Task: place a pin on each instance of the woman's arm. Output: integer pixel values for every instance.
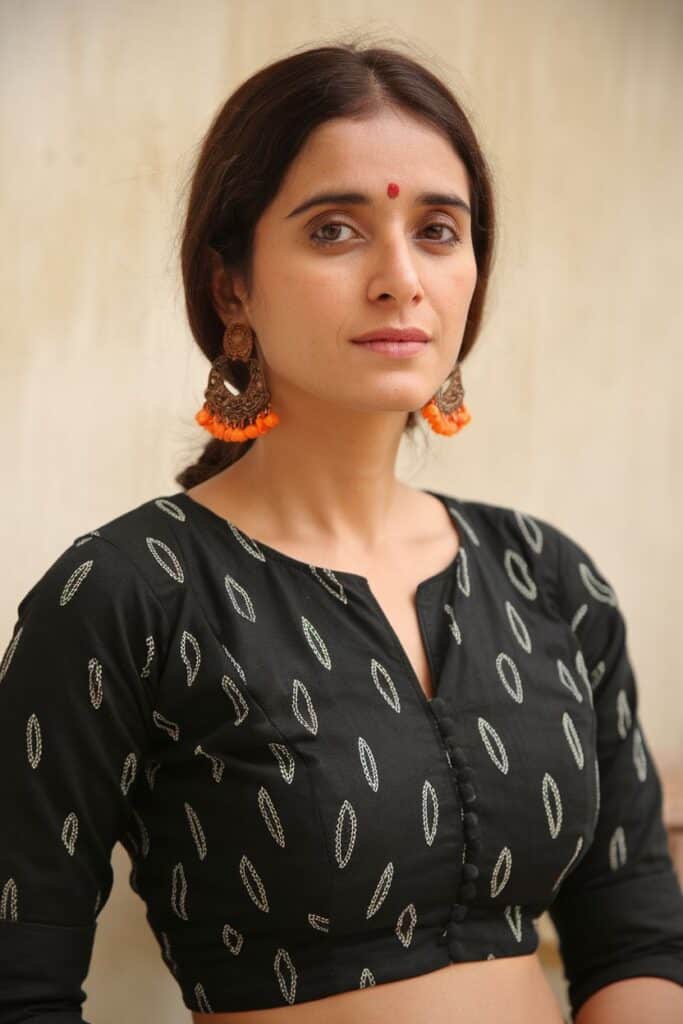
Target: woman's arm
(633, 1001)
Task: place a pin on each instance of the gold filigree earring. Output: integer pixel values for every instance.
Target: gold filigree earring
(231, 413)
(446, 412)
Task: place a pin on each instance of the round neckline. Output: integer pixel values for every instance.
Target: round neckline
(189, 503)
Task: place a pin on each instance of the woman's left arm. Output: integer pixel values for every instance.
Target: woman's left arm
(619, 912)
(632, 1001)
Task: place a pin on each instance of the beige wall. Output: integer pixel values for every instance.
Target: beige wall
(574, 387)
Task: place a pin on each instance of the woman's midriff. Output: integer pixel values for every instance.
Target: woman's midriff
(514, 989)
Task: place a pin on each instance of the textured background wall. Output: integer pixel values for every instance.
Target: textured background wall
(574, 387)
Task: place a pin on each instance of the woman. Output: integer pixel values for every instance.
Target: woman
(355, 736)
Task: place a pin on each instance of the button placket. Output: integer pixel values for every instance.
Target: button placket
(463, 775)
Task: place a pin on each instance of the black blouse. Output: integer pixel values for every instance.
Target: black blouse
(301, 820)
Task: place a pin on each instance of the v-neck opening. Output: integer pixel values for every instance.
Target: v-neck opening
(188, 502)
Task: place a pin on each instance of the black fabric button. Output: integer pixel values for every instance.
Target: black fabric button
(466, 773)
(459, 756)
(438, 704)
(467, 793)
(448, 725)
(473, 833)
(456, 950)
(454, 930)
(474, 843)
(468, 891)
(470, 818)
(470, 871)
(459, 912)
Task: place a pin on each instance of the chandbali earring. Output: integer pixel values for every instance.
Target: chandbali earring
(445, 411)
(229, 413)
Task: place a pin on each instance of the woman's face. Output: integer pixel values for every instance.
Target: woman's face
(326, 274)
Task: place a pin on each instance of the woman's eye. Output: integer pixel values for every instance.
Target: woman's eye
(324, 227)
(335, 224)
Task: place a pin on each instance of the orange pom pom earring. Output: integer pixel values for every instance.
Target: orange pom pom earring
(229, 413)
(446, 412)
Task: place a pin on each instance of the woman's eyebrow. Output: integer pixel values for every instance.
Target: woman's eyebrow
(360, 198)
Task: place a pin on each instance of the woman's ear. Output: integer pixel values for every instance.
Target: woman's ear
(226, 302)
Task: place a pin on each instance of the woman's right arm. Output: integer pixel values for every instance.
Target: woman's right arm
(78, 682)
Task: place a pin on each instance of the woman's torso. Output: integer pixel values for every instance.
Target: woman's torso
(514, 989)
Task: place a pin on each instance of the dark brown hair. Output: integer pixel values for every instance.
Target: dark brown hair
(248, 148)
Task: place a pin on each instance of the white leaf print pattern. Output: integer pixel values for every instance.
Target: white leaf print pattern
(203, 1004)
(467, 527)
(9, 901)
(240, 706)
(284, 759)
(387, 689)
(217, 763)
(150, 772)
(179, 892)
(320, 923)
(130, 766)
(337, 590)
(74, 581)
(196, 830)
(567, 679)
(366, 978)
(453, 626)
(462, 572)
(573, 738)
(146, 669)
(232, 939)
(624, 717)
(597, 588)
(554, 820)
(287, 985)
(530, 530)
(639, 756)
(248, 543)
(518, 573)
(9, 653)
(192, 660)
(70, 832)
(430, 809)
(172, 728)
(582, 670)
(171, 565)
(515, 689)
(170, 508)
(367, 760)
(310, 719)
(34, 741)
(504, 861)
(346, 813)
(316, 643)
(381, 891)
(270, 816)
(563, 873)
(499, 756)
(405, 934)
(235, 664)
(251, 878)
(617, 849)
(236, 591)
(95, 682)
(518, 627)
(513, 916)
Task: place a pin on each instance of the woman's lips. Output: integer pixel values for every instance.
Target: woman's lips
(398, 349)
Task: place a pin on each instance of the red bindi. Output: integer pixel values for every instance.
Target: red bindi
(392, 189)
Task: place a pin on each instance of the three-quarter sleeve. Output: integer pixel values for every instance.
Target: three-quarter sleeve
(77, 689)
(619, 912)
